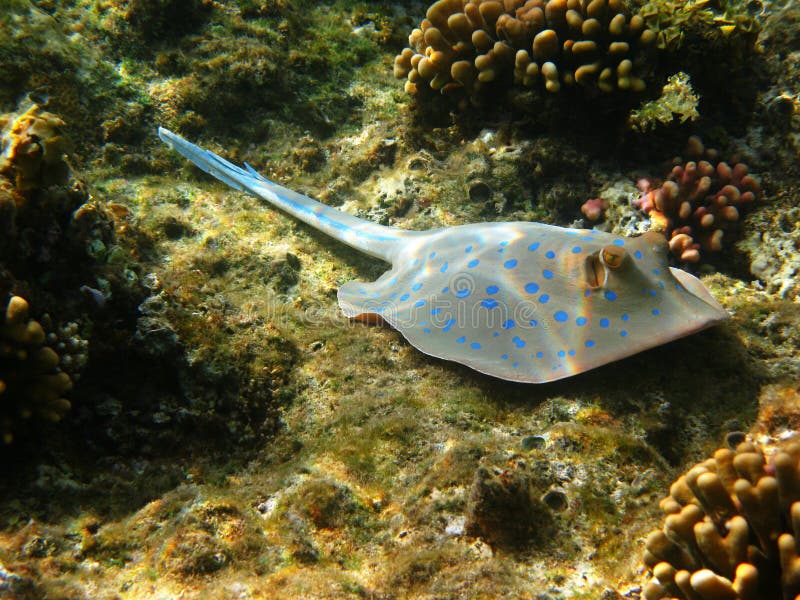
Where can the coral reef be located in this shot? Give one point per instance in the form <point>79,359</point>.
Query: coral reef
<point>733,528</point>
<point>45,214</point>
<point>699,201</point>
<point>31,383</point>
<point>463,46</point>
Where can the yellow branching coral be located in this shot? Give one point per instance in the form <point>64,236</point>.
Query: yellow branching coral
<point>464,45</point>
<point>732,530</point>
<point>31,384</point>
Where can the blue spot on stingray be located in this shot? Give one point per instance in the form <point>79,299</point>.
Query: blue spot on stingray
<point>475,346</point>
<point>531,288</point>
<point>533,246</point>
<point>419,303</point>
<point>571,352</point>
<point>547,274</point>
<point>653,292</point>
<point>416,287</point>
<point>468,249</point>
<point>623,333</point>
<point>462,293</point>
<point>550,254</point>
<point>625,317</point>
<point>461,340</point>
<point>587,293</point>
<point>404,297</point>
<point>504,357</point>
<point>448,325</point>
<point>496,334</point>
<point>515,365</point>
<point>587,238</point>
<point>393,295</point>
<point>510,324</point>
<point>619,242</point>
<point>423,323</point>
<point>492,289</point>
<point>539,354</point>
<point>656,312</point>
<point>445,289</point>
<point>638,254</point>
<point>656,272</point>
<point>610,295</point>
<point>518,342</point>
<point>426,330</point>
<point>589,343</point>
<point>504,244</point>
<point>561,354</point>
<point>489,303</point>
<point>604,322</point>
<point>560,316</point>
<point>581,321</point>
<point>544,298</point>
<point>577,250</point>
<point>473,263</point>
<point>510,264</point>
<point>534,322</point>
<point>661,284</point>
<point>432,254</point>
<point>444,268</point>
<point>392,281</point>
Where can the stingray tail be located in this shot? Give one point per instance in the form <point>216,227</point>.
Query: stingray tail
<point>371,238</point>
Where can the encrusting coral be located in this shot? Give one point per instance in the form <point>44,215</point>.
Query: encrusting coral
<point>31,383</point>
<point>699,201</point>
<point>33,149</point>
<point>733,528</point>
<point>464,45</point>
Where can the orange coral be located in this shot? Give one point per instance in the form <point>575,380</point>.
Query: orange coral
<point>732,530</point>
<point>464,45</point>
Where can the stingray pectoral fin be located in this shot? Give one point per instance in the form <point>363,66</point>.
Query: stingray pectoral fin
<point>359,298</point>
<point>716,313</point>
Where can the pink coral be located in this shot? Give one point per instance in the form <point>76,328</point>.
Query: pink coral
<point>594,208</point>
<point>698,202</point>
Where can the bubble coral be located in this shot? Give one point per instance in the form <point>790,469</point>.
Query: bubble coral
<point>698,202</point>
<point>465,45</point>
<point>31,383</point>
<point>732,530</point>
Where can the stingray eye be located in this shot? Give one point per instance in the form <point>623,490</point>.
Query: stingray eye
<point>612,257</point>
<point>598,265</point>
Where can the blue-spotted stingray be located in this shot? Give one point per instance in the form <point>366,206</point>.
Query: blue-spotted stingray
<point>520,301</point>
